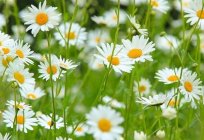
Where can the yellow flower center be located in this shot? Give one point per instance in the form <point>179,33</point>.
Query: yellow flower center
<point>135,53</point>
<point>188,86</point>
<point>50,123</point>
<point>154,3</point>
<point>173,78</point>
<point>172,103</point>
<point>114,61</point>
<point>200,14</point>
<point>98,39</point>
<point>115,17</point>
<point>19,77</point>
<point>41,18</point>
<point>142,88</point>
<point>6,50</point>
<point>6,61</point>
<point>20,119</point>
<point>70,35</point>
<point>52,69</point>
<point>104,125</point>
<point>31,96</point>
<point>20,53</point>
<point>79,129</point>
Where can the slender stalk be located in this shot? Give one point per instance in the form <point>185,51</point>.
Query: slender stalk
<point>52,85</point>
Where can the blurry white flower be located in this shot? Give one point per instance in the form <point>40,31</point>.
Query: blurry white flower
<point>79,130</point>
<point>160,5</point>
<point>169,113</point>
<point>32,93</point>
<point>140,136</point>
<point>5,137</point>
<point>112,102</point>
<point>2,21</point>
<point>143,87</point>
<point>160,134</point>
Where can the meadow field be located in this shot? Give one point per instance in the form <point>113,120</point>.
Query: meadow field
<point>101,69</point>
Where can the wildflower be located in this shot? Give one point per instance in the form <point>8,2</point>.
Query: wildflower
<point>42,18</point>
<point>140,136</point>
<point>160,134</point>
<point>112,102</point>
<point>79,130</point>
<point>139,49</point>
<point>32,93</point>
<point>104,123</point>
<point>169,113</point>
<point>5,137</point>
<point>143,87</point>
<point>160,5</point>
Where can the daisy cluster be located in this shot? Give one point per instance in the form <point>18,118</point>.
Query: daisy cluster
<point>102,70</point>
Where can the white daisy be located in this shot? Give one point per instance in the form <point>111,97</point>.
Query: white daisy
<point>195,13</point>
<point>111,18</point>
<point>66,64</point>
<point>42,18</point>
<point>46,70</point>
<point>99,19</point>
<point>190,87</point>
<point>143,87</point>
<point>76,35</point>
<point>139,49</point>
<point>137,26</point>
<point>18,73</point>
<point>5,40</point>
<point>4,63</point>
<point>79,130</point>
<point>61,138</point>
<point>185,4</point>
<point>112,102</point>
<point>169,113</point>
<point>160,5</point>
<point>23,52</point>
<point>96,37</point>
<point>2,21</point>
<point>169,76</point>
<point>18,105</point>
<point>24,119</point>
<point>117,60</point>
<point>140,136</point>
<point>46,121</point>
<point>104,123</point>
<point>5,137</point>
<point>155,100</point>
<point>32,93</point>
<point>167,43</point>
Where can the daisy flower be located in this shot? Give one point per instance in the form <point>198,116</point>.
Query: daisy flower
<point>23,52</point>
<point>61,138</point>
<point>143,87</point>
<point>46,70</point>
<point>195,13</point>
<point>46,121</point>
<point>139,49</point>
<point>18,73</point>
<point>76,35</point>
<point>5,40</point>
<point>160,5</point>
<point>99,20</point>
<point>112,102</point>
<point>96,37</point>
<point>160,134</point>
<point>42,18</point>
<point>32,93</point>
<point>185,4</point>
<point>66,64</point>
<point>169,113</point>
<point>5,137</point>
<point>4,63</point>
<point>24,119</point>
<point>79,130</point>
<point>155,100</point>
<point>190,87</point>
<point>117,60</point>
<point>169,76</point>
<point>137,26</point>
<point>104,123</point>
<point>140,136</point>
<point>167,43</point>
<point>18,105</point>
<point>2,21</point>
<point>111,18</point>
